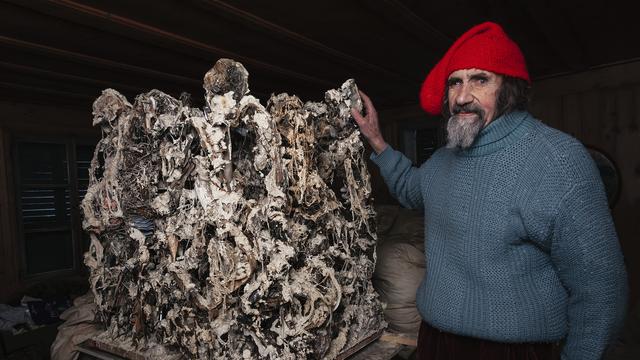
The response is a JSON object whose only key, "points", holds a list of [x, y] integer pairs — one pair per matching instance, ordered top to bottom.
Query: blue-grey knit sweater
{"points": [[520, 244]]}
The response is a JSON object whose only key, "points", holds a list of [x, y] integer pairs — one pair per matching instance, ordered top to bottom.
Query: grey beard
{"points": [[461, 134]]}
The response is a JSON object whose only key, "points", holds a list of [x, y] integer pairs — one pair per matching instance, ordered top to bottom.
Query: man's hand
{"points": [[369, 125]]}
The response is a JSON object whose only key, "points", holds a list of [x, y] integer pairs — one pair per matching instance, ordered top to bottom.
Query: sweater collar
{"points": [[499, 133]]}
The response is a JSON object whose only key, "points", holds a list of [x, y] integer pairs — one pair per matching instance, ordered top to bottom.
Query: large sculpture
{"points": [[234, 231]]}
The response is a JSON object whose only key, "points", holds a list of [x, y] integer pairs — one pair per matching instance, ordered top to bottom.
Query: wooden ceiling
{"points": [[67, 51]]}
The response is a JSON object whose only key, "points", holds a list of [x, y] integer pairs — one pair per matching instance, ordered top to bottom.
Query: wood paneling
{"points": [[601, 108]]}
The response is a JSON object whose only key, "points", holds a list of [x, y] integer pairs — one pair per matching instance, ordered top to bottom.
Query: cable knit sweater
{"points": [[520, 243]]}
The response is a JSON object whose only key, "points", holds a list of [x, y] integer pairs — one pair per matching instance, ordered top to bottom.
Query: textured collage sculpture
{"points": [[234, 231]]}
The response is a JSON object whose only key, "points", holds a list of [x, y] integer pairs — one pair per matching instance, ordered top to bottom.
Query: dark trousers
{"points": [[434, 344]]}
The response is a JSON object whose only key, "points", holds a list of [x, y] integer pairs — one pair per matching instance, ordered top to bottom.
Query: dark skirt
{"points": [[434, 344]]}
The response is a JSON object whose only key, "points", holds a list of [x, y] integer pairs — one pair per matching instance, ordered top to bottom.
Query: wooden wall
{"points": [[601, 108], [21, 119]]}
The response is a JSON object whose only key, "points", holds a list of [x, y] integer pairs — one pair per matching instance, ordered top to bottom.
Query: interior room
{"points": [[59, 56]]}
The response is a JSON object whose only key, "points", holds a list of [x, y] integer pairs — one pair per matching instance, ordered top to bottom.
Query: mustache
{"points": [[468, 108]]}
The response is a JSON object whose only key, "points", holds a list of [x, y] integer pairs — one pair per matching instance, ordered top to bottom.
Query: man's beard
{"points": [[462, 131]]}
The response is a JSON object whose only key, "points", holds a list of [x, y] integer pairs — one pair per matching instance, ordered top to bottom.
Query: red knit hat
{"points": [[485, 46]]}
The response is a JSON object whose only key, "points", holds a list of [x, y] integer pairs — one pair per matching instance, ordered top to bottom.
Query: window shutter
{"points": [[44, 196]]}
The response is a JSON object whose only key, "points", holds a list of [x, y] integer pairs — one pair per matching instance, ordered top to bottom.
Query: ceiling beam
{"points": [[396, 12], [110, 22], [274, 29], [559, 34], [95, 61], [99, 62], [68, 77], [41, 90]]}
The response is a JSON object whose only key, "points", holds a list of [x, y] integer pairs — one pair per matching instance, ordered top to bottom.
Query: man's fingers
{"points": [[364, 96], [367, 103], [357, 116]]}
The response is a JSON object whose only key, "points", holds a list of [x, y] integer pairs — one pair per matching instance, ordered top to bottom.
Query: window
{"points": [[51, 179]]}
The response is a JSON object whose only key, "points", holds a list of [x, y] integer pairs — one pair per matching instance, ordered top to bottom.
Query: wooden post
{"points": [[8, 266]]}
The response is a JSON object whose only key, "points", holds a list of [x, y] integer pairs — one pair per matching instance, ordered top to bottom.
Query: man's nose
{"points": [[464, 95]]}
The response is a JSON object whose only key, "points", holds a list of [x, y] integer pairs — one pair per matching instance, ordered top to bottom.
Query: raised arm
{"points": [[369, 125], [402, 179]]}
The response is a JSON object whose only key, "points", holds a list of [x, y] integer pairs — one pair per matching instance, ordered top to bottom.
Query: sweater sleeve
{"points": [[402, 179], [587, 255]]}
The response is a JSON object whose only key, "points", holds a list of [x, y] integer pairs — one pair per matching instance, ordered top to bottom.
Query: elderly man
{"points": [[522, 254]]}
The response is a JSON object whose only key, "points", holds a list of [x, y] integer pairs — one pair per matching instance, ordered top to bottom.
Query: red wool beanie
{"points": [[485, 46]]}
